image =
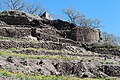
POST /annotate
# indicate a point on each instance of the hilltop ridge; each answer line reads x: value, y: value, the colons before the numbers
x: 36, y: 45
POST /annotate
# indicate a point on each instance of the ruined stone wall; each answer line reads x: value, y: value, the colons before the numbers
x: 15, y: 32
x: 41, y: 34
x: 85, y: 35
x: 48, y: 31
x: 112, y: 51
x: 14, y: 20
x: 6, y: 44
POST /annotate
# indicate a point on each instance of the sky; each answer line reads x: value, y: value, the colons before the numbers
x: 108, y: 11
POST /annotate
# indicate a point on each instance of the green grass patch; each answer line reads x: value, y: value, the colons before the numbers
x: 42, y: 77
x: 10, y: 38
x: 43, y: 49
x: 7, y: 53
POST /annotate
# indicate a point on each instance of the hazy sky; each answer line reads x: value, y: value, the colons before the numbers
x: 108, y: 11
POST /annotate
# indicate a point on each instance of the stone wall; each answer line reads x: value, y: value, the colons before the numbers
x: 14, y: 32
x: 113, y: 51
x: 62, y: 25
x: 85, y: 35
x: 6, y: 44
x: 14, y: 20
x: 48, y: 31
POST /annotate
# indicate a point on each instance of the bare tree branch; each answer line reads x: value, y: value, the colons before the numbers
x: 35, y: 8
x: 15, y: 4
x: 110, y: 39
x: 79, y: 19
x: 72, y: 14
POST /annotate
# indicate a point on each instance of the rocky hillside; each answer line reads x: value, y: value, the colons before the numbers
x: 35, y: 48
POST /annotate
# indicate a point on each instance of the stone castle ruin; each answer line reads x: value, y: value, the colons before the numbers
x: 20, y: 24
x: 55, y: 47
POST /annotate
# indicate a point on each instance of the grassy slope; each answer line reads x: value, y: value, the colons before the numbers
x: 7, y: 53
x: 42, y: 77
